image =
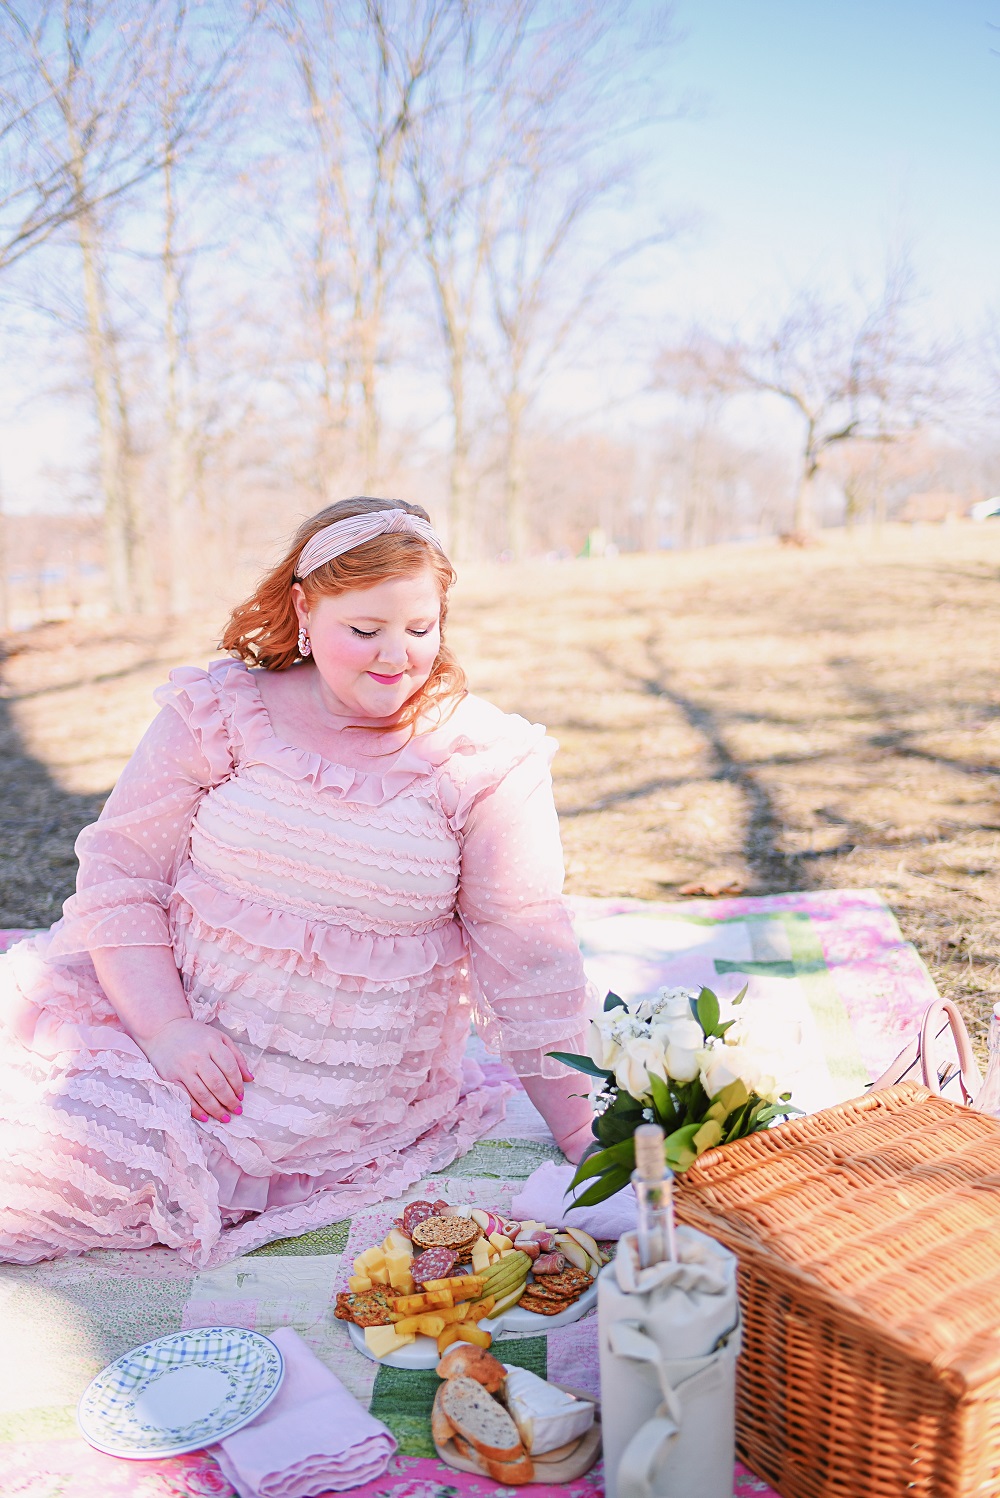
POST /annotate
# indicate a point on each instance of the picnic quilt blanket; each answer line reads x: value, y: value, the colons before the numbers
x: 830, y: 967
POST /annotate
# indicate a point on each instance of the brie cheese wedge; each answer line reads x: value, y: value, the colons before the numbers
x: 546, y: 1417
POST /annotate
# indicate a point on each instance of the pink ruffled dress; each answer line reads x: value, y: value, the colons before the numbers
x: 342, y: 919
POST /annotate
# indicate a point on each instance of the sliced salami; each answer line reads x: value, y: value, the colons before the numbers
x: 416, y: 1213
x: 434, y: 1264
x: 548, y: 1264
x: 440, y: 1208
x: 401, y: 1226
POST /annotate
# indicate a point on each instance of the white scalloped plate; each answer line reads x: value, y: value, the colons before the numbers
x: 423, y: 1352
x: 180, y: 1392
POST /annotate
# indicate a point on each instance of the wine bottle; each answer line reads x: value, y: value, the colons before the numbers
x: 654, y: 1195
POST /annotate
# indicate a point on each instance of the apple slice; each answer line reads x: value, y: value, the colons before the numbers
x: 481, y: 1219
x: 573, y: 1252
x: 586, y: 1242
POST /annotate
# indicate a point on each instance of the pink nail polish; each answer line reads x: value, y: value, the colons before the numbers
x: 237, y: 1110
x: 226, y: 1118
x: 202, y: 1117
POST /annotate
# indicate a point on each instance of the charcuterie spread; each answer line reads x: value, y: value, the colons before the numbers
x: 447, y: 1272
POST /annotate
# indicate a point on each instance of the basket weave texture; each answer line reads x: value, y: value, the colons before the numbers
x: 868, y: 1237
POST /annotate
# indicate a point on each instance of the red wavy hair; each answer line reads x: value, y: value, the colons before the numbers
x: 263, y: 630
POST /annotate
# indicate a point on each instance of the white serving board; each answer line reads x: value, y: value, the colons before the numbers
x: 423, y: 1352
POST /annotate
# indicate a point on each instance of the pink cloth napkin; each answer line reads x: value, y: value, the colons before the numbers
x: 543, y: 1198
x: 314, y: 1437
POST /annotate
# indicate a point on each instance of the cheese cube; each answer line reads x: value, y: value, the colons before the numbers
x: 359, y: 1282
x: 500, y: 1241
x: 379, y: 1275
x: 371, y: 1259
x: 480, y: 1256
x: 383, y: 1340
x: 398, y: 1266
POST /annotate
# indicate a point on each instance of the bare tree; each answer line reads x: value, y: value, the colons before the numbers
x: 198, y: 64
x: 39, y: 191
x: 574, y: 101
x: 457, y: 157
x: 849, y: 374
x: 361, y: 70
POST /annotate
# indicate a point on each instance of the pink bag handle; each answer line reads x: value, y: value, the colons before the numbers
x: 917, y: 1056
x: 935, y: 1016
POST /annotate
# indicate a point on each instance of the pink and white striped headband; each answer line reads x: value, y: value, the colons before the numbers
x: 344, y: 535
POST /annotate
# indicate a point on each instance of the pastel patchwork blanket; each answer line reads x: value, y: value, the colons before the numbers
x: 828, y: 971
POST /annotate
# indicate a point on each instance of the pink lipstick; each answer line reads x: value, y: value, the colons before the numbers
x: 386, y: 681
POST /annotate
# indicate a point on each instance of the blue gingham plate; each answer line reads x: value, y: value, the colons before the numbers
x: 180, y: 1392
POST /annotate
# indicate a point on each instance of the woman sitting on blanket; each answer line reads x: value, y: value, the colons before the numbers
x: 322, y: 861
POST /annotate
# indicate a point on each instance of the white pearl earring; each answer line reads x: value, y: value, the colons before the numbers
x: 305, y: 648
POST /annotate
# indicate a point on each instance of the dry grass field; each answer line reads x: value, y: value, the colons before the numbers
x: 742, y: 719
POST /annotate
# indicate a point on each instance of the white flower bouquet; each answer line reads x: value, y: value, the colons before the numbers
x: 671, y: 1060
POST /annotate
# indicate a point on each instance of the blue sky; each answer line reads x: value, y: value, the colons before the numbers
x: 817, y: 133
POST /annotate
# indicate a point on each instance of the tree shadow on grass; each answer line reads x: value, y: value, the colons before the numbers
x: 773, y: 871
x: 39, y: 823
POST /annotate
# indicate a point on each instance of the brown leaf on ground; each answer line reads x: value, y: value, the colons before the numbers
x: 715, y: 885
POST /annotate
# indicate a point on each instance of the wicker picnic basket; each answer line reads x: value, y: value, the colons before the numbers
x: 868, y: 1237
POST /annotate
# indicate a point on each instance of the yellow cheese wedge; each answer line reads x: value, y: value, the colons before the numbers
x: 372, y: 1258
x: 378, y: 1275
x: 480, y: 1256
x: 359, y: 1282
x: 383, y: 1340
x: 399, y: 1266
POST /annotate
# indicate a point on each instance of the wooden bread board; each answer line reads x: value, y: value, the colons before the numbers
x: 562, y: 1464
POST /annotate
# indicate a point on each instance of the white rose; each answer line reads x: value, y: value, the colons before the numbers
x: 602, y: 1047
x: 638, y: 1060
x: 752, y: 1065
x: 719, y: 1067
x: 682, y: 1062
x: 685, y: 1032
x: 674, y: 1003
x: 682, y: 1041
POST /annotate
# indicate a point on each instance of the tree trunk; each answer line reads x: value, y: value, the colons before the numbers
x: 460, y: 496
x: 516, y: 520
x: 182, y: 545
x: 118, y: 538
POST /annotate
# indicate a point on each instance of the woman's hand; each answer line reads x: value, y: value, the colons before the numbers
x: 209, y: 1066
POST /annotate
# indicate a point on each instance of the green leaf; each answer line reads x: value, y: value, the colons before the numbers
x: 708, y: 1136
x: 609, y: 1183
x: 708, y: 1012
x: 679, y: 1146
x: 581, y: 1063
x: 738, y: 1127
x: 613, y: 1001
x: 775, y: 1110
x: 733, y: 1095
x: 620, y: 1121
x: 607, y: 1159
x: 721, y: 1030
x: 742, y: 994
x: 662, y: 1102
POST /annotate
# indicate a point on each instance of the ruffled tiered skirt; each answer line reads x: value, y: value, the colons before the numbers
x: 360, y: 1087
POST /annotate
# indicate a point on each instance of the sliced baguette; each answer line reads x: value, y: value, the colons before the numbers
x: 441, y: 1427
x: 511, y: 1474
x: 482, y: 1422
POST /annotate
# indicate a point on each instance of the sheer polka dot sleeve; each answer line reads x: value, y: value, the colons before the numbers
x: 129, y: 858
x: 529, y: 991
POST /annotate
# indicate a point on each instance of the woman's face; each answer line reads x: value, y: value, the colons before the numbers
x: 374, y: 647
